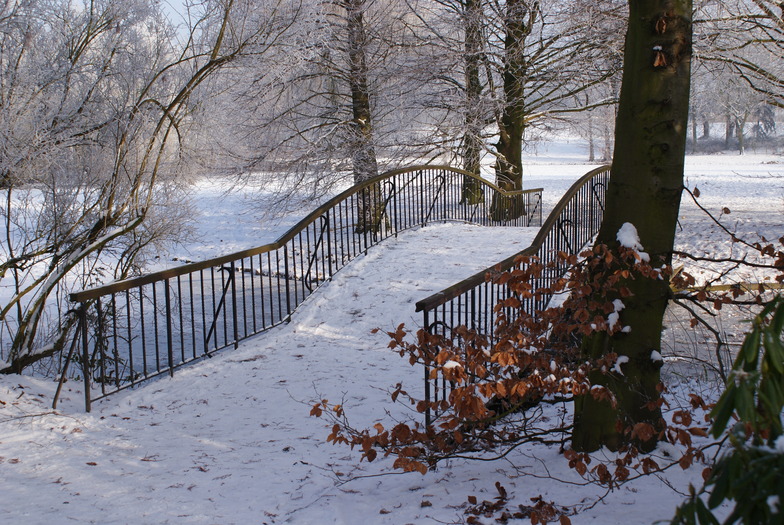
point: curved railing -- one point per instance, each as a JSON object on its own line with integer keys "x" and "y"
{"x": 132, "y": 330}
{"x": 573, "y": 222}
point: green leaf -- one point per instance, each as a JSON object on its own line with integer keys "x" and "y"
{"x": 705, "y": 516}
{"x": 774, "y": 352}
{"x": 749, "y": 351}
{"x": 777, "y": 323}
{"x": 721, "y": 480}
{"x": 723, "y": 410}
{"x": 684, "y": 515}
{"x": 744, "y": 404}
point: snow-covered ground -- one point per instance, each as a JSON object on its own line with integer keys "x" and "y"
{"x": 229, "y": 440}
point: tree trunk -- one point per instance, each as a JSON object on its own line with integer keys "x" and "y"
{"x": 644, "y": 189}
{"x": 740, "y": 125}
{"x": 591, "y": 146}
{"x": 370, "y": 204}
{"x": 519, "y": 19}
{"x": 608, "y": 144}
{"x": 473, "y": 192}
{"x": 694, "y": 135}
{"x": 729, "y": 127}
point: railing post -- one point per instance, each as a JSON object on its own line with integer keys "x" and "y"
{"x": 85, "y": 357}
{"x": 329, "y": 244}
{"x": 234, "y": 306}
{"x": 427, "y": 378}
{"x": 99, "y": 343}
{"x": 394, "y": 198}
{"x": 286, "y": 273}
{"x": 169, "y": 337}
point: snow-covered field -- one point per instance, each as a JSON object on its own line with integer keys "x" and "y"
{"x": 229, "y": 440}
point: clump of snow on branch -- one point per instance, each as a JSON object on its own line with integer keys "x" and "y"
{"x": 614, "y": 317}
{"x": 622, "y": 359}
{"x": 628, "y": 237}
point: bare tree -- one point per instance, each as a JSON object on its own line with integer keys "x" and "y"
{"x": 505, "y": 67}
{"x": 746, "y": 36}
{"x": 96, "y": 109}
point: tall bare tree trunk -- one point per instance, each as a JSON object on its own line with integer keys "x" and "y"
{"x": 370, "y": 203}
{"x": 472, "y": 138}
{"x": 518, "y": 22}
{"x": 644, "y": 190}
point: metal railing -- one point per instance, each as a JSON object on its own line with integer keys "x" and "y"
{"x": 136, "y": 329}
{"x": 573, "y": 222}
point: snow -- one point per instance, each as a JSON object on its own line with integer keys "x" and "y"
{"x": 621, "y": 360}
{"x": 614, "y": 316}
{"x": 628, "y": 237}
{"x": 229, "y": 440}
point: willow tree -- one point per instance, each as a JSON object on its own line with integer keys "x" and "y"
{"x": 644, "y": 190}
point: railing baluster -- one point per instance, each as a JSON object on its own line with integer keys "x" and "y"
{"x": 193, "y": 317}
{"x": 99, "y": 344}
{"x": 169, "y": 338}
{"x": 116, "y": 352}
{"x": 143, "y": 332}
{"x": 182, "y": 321}
{"x": 130, "y": 336}
{"x": 261, "y": 294}
{"x": 233, "y": 277}
{"x": 85, "y": 357}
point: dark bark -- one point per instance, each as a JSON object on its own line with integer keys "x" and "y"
{"x": 729, "y": 131}
{"x": 472, "y": 139}
{"x": 519, "y": 19}
{"x": 644, "y": 190}
{"x": 365, "y": 165}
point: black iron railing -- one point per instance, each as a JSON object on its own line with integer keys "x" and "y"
{"x": 133, "y": 330}
{"x": 573, "y": 222}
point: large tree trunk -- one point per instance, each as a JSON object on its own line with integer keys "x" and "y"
{"x": 369, "y": 202}
{"x": 644, "y": 190}
{"x": 509, "y": 164}
{"x": 729, "y": 130}
{"x": 740, "y": 126}
{"x": 472, "y": 139}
